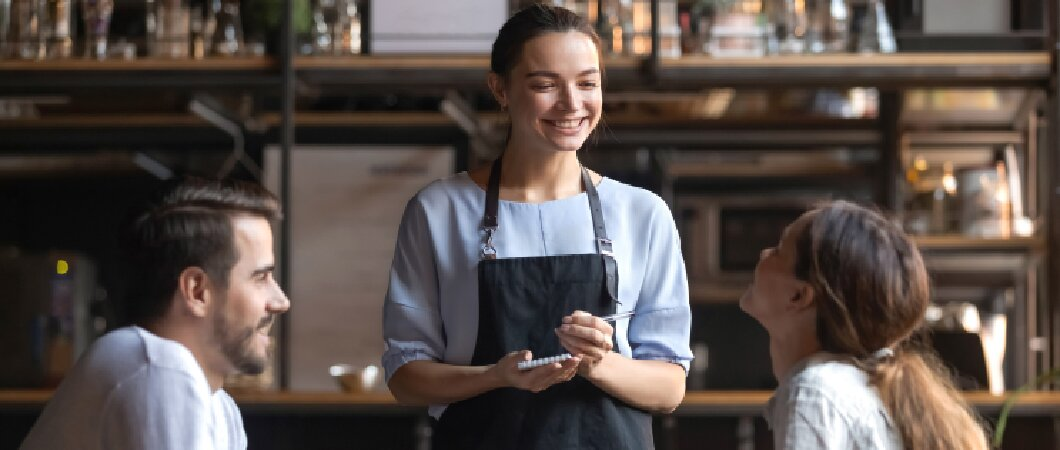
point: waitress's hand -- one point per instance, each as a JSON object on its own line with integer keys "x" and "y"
{"x": 536, "y": 379}
{"x": 587, "y": 336}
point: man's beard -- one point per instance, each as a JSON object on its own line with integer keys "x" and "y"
{"x": 238, "y": 349}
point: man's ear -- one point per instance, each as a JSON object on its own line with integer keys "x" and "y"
{"x": 194, "y": 291}
{"x": 804, "y": 297}
{"x": 496, "y": 85}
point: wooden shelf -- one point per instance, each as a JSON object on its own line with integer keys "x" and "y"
{"x": 717, "y": 293}
{"x": 964, "y": 243}
{"x": 93, "y": 120}
{"x": 697, "y": 71}
{"x": 896, "y": 69}
{"x": 425, "y": 71}
{"x": 743, "y": 403}
{"x": 364, "y": 119}
{"x": 376, "y": 403}
{"x": 449, "y": 71}
{"x": 405, "y": 118}
{"x": 696, "y": 403}
{"x": 147, "y": 120}
{"x": 18, "y": 76}
{"x": 146, "y": 64}
{"x": 437, "y": 71}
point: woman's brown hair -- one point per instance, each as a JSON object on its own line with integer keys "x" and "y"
{"x": 529, "y": 23}
{"x": 872, "y": 291}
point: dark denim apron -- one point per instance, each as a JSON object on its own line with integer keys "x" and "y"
{"x": 521, "y": 302}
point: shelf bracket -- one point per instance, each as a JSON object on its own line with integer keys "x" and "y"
{"x": 211, "y": 110}
{"x": 486, "y": 142}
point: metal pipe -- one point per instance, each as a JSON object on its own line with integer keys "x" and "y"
{"x": 653, "y": 58}
{"x": 287, "y": 51}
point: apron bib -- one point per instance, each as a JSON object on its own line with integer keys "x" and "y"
{"x": 521, "y": 302}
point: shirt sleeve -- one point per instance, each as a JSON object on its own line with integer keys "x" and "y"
{"x": 662, "y": 327}
{"x": 157, "y": 409}
{"x": 813, "y": 421}
{"x": 412, "y": 325}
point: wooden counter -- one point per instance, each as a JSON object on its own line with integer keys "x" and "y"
{"x": 726, "y": 419}
{"x": 696, "y": 403}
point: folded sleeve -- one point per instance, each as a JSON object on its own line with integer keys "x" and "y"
{"x": 661, "y": 329}
{"x": 412, "y": 326}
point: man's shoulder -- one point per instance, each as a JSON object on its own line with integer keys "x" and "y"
{"x": 112, "y": 385}
{"x": 114, "y": 355}
{"x": 133, "y": 355}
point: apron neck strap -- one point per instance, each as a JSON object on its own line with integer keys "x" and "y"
{"x": 603, "y": 244}
{"x": 493, "y": 191}
{"x": 493, "y": 188}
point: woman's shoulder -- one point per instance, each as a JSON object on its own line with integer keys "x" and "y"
{"x": 833, "y": 377}
{"x": 447, "y": 189}
{"x": 637, "y": 198}
{"x": 823, "y": 368}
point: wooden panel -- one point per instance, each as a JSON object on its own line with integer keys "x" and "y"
{"x": 66, "y": 65}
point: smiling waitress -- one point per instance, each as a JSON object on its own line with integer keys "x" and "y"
{"x": 519, "y": 259}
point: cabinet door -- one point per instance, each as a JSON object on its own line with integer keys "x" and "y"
{"x": 346, "y": 203}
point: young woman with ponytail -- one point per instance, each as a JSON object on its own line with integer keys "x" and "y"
{"x": 840, "y": 296}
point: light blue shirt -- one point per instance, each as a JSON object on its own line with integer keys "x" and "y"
{"x": 828, "y": 403}
{"x": 431, "y": 308}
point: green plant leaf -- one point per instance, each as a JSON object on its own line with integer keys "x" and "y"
{"x": 1010, "y": 402}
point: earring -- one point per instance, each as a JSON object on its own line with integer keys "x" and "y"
{"x": 504, "y": 107}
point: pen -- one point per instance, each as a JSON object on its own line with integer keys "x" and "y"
{"x": 619, "y": 316}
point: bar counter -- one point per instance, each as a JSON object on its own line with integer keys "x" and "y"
{"x": 281, "y": 420}
{"x": 696, "y": 403}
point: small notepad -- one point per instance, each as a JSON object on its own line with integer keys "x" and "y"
{"x": 524, "y": 365}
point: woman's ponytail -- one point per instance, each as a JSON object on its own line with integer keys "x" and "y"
{"x": 926, "y": 409}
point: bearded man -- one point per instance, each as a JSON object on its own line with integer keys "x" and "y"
{"x": 201, "y": 268}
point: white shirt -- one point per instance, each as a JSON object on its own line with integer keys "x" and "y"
{"x": 827, "y": 403}
{"x": 133, "y": 390}
{"x": 431, "y": 308}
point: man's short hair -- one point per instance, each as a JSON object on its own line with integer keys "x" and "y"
{"x": 189, "y": 224}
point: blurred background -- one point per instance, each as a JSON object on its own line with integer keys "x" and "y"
{"x": 739, "y": 113}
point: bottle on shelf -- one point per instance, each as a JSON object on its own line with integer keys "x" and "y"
{"x": 742, "y": 29}
{"x": 25, "y": 37}
{"x": 96, "y": 15}
{"x": 5, "y": 22}
{"x": 172, "y": 24}
{"x": 827, "y": 26}
{"x": 875, "y": 34}
{"x": 55, "y": 29}
{"x": 347, "y": 31}
{"x": 336, "y": 27}
{"x": 226, "y": 38}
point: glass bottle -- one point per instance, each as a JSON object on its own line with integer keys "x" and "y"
{"x": 347, "y": 31}
{"x": 325, "y": 13}
{"x": 875, "y": 33}
{"x": 56, "y": 28}
{"x": 96, "y": 15}
{"x": 25, "y": 34}
{"x": 170, "y": 38}
{"x": 828, "y": 27}
{"x": 789, "y": 23}
{"x": 5, "y": 20}
{"x": 227, "y": 36}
